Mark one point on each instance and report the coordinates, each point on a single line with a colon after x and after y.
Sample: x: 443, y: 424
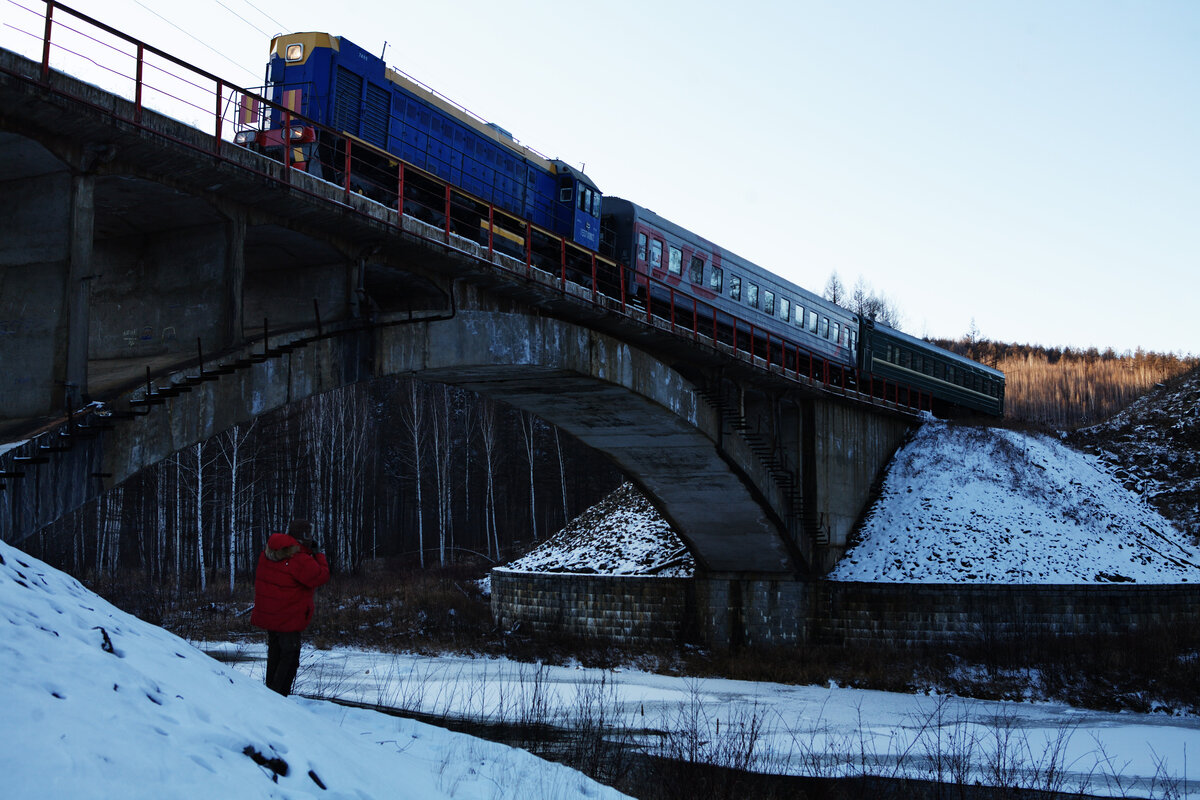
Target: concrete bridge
x: 159, y: 284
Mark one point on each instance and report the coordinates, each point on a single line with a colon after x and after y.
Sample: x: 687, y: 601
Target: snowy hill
x: 1153, y: 447
x: 621, y: 535
x: 985, y: 505
x: 959, y: 504
x: 98, y: 703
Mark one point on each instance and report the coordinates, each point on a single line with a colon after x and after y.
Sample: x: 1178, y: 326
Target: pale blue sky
x: 1029, y: 165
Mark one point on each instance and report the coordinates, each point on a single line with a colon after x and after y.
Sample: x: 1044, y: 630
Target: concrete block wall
x: 731, y: 612
x: 620, y: 609
x: 917, y: 614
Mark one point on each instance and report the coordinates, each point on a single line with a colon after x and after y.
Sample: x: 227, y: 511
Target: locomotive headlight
x: 243, y: 138
x: 297, y: 133
x: 295, y: 52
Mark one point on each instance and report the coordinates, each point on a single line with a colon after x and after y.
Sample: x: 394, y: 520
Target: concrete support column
x: 35, y: 236
x: 235, y: 276
x: 78, y: 290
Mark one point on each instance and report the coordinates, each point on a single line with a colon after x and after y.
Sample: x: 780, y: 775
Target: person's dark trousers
x: 283, y: 659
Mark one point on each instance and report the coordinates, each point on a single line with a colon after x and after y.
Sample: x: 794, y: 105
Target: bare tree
x: 232, y: 447
x: 487, y: 435
x: 413, y: 415
x: 834, y: 291
x: 529, y: 432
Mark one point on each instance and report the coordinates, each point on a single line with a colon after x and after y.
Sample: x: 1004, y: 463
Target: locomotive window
x: 595, y: 204
x: 656, y: 254
x: 641, y: 249
x: 735, y: 287
x: 812, y: 321
x: 564, y: 194
x: 697, y: 270
x: 714, y: 279
x: 752, y: 295
x: 675, y: 264
x: 585, y: 199
x: 785, y: 311
x: 769, y: 302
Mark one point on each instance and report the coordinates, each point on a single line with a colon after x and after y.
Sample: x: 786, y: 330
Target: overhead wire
x: 197, y: 40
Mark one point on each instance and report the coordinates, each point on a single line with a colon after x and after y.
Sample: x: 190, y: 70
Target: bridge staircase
x: 770, y: 455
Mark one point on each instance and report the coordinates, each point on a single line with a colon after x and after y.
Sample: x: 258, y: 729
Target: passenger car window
x: 656, y: 254
x: 812, y: 321
x: 800, y: 316
x: 675, y: 260
x: 641, y: 250
x: 837, y: 333
x: 769, y: 302
x: 785, y: 309
x: 714, y: 279
x: 697, y: 270
x: 735, y: 287
x: 824, y: 327
x: 752, y: 294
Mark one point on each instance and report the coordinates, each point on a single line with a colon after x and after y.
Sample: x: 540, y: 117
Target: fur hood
x: 281, y: 547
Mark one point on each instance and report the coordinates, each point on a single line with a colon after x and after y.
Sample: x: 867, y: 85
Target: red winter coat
x: 284, y: 581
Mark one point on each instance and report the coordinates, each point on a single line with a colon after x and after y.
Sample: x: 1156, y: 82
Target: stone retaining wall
x: 725, y: 612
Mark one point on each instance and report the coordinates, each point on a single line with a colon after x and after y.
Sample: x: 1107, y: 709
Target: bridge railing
x: 149, y: 78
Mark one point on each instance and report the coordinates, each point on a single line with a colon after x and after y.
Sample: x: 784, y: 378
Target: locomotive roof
x: 499, y: 135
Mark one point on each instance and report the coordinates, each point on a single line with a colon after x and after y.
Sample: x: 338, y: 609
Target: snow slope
x: 621, y: 535
x: 97, y: 703
x: 985, y: 505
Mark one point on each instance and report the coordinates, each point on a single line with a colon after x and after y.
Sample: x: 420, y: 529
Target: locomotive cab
x: 579, y: 202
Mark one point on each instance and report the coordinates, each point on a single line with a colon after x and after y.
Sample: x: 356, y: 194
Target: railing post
x: 752, y: 343
x: 220, y: 112
x: 594, y: 286
x: 491, y: 228
x: 562, y: 263
x: 287, y: 146
x: 137, y: 85
x: 446, y: 210
x: 399, y: 193
x: 621, y: 272
x: 46, y: 40
x: 671, y: 294
x: 695, y: 320
x: 528, y: 248
x: 346, y: 171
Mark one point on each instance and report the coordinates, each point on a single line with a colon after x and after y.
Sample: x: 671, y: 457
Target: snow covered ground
x: 621, y: 535
x: 96, y: 703
x: 985, y: 505
x: 804, y: 730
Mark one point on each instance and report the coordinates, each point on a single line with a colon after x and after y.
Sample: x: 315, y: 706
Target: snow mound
x: 98, y: 703
x: 1153, y: 448
x: 621, y: 535
x: 983, y: 505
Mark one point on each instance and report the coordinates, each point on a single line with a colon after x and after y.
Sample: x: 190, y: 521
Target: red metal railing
x: 543, y: 255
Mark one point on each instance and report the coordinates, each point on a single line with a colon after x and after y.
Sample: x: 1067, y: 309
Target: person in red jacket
x: 288, y: 571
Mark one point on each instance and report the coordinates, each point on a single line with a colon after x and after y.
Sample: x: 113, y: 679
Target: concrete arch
x: 618, y: 399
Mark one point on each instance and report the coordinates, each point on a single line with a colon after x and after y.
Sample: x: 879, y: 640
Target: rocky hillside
x: 1153, y: 447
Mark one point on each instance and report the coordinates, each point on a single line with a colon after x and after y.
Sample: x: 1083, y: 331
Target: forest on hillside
x: 396, y: 469
x: 1065, y: 388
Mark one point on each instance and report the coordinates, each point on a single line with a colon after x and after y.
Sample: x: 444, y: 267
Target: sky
x: 1025, y: 167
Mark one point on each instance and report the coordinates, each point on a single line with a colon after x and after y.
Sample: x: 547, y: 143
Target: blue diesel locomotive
x: 354, y: 98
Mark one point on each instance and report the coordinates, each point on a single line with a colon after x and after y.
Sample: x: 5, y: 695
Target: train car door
x: 580, y: 201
